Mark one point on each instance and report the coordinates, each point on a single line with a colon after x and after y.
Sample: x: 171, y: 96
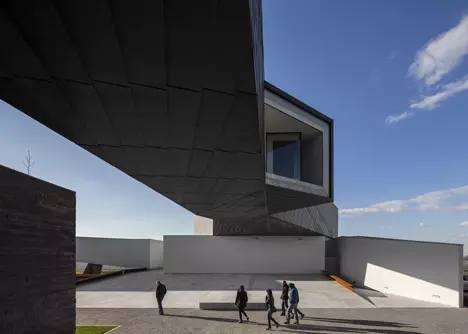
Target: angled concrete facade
x: 173, y: 94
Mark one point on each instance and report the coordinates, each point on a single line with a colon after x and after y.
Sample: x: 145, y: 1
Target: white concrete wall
x: 156, y: 253
x: 239, y: 254
x: 202, y: 225
x: 419, y: 270
x: 129, y: 253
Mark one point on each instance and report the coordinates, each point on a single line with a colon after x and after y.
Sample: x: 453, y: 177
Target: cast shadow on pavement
x: 311, y: 329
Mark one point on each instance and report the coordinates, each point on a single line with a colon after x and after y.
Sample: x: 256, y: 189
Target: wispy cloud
x: 432, y: 101
x: 422, y: 224
x: 441, y: 55
x: 397, y: 118
x: 393, y: 55
x: 432, y: 201
x: 464, y: 223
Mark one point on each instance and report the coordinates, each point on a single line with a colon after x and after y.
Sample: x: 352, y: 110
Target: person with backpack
x: 270, y: 304
x: 161, y: 291
x: 241, y: 302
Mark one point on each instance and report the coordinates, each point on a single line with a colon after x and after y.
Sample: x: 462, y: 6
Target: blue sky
x: 393, y: 75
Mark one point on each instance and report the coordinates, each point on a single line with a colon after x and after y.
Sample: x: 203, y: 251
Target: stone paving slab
x: 393, y: 321
x: 137, y: 290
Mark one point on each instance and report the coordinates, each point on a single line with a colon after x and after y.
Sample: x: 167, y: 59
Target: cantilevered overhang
x: 169, y: 92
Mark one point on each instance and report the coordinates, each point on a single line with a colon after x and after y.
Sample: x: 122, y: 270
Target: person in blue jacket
x: 293, y: 301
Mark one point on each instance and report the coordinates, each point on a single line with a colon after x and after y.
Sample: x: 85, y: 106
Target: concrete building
x: 173, y: 94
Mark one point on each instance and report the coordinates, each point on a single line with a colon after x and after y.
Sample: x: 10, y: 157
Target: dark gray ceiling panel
x: 119, y: 105
x: 214, y: 111
x: 322, y: 219
x: 143, y: 46
x: 18, y: 58
x: 150, y: 106
x: 43, y: 30
x: 85, y: 101
x: 90, y: 26
x: 183, y: 109
x: 283, y: 199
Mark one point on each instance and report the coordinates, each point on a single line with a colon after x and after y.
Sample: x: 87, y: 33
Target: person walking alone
x: 270, y: 303
x: 161, y: 291
x: 293, y: 301
x: 284, y: 298
x: 241, y: 302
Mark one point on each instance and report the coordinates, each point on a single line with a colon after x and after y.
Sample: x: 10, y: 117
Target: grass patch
x: 93, y: 329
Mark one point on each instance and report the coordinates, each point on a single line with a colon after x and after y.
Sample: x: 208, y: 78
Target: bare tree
x: 28, y: 162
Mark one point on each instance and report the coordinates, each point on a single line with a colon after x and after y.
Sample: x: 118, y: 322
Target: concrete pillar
x: 203, y: 226
x: 37, y: 256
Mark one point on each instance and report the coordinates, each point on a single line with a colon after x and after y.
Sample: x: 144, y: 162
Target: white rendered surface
x: 244, y: 255
x: 424, y: 271
x: 128, y: 253
x: 203, y: 225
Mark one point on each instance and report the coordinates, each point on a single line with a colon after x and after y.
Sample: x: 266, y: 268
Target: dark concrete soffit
x: 298, y: 103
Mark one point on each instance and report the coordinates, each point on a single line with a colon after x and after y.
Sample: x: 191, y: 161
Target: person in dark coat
x: 241, y: 302
x: 284, y: 298
x: 160, y: 293
x: 270, y: 304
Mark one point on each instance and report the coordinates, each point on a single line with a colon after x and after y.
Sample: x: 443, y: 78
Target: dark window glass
x: 285, y: 153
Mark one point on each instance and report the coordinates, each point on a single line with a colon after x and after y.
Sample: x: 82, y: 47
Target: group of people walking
x: 289, y: 302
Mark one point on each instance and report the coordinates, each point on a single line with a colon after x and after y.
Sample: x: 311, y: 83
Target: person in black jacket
x: 241, y: 302
x: 270, y: 304
x: 284, y: 298
x: 160, y: 293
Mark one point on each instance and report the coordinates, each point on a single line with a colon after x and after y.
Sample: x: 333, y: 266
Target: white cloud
x: 397, y: 118
x: 432, y: 101
x: 441, y: 55
x: 432, y: 63
x: 422, y: 225
x: 431, y: 201
x: 464, y: 223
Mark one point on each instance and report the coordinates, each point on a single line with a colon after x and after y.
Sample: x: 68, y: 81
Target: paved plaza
x: 393, y: 321
x: 137, y: 290
x: 129, y: 301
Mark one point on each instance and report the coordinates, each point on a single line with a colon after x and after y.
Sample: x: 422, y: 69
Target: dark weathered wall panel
x: 37, y: 256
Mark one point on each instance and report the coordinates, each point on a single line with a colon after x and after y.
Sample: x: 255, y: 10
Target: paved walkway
x: 393, y: 321
x: 137, y: 290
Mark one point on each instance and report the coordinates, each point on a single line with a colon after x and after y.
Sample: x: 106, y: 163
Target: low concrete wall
x: 127, y: 253
x: 239, y: 254
x: 419, y: 270
x: 37, y: 256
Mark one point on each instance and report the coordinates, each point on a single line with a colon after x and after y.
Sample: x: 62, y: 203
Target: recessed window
x: 283, y: 155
